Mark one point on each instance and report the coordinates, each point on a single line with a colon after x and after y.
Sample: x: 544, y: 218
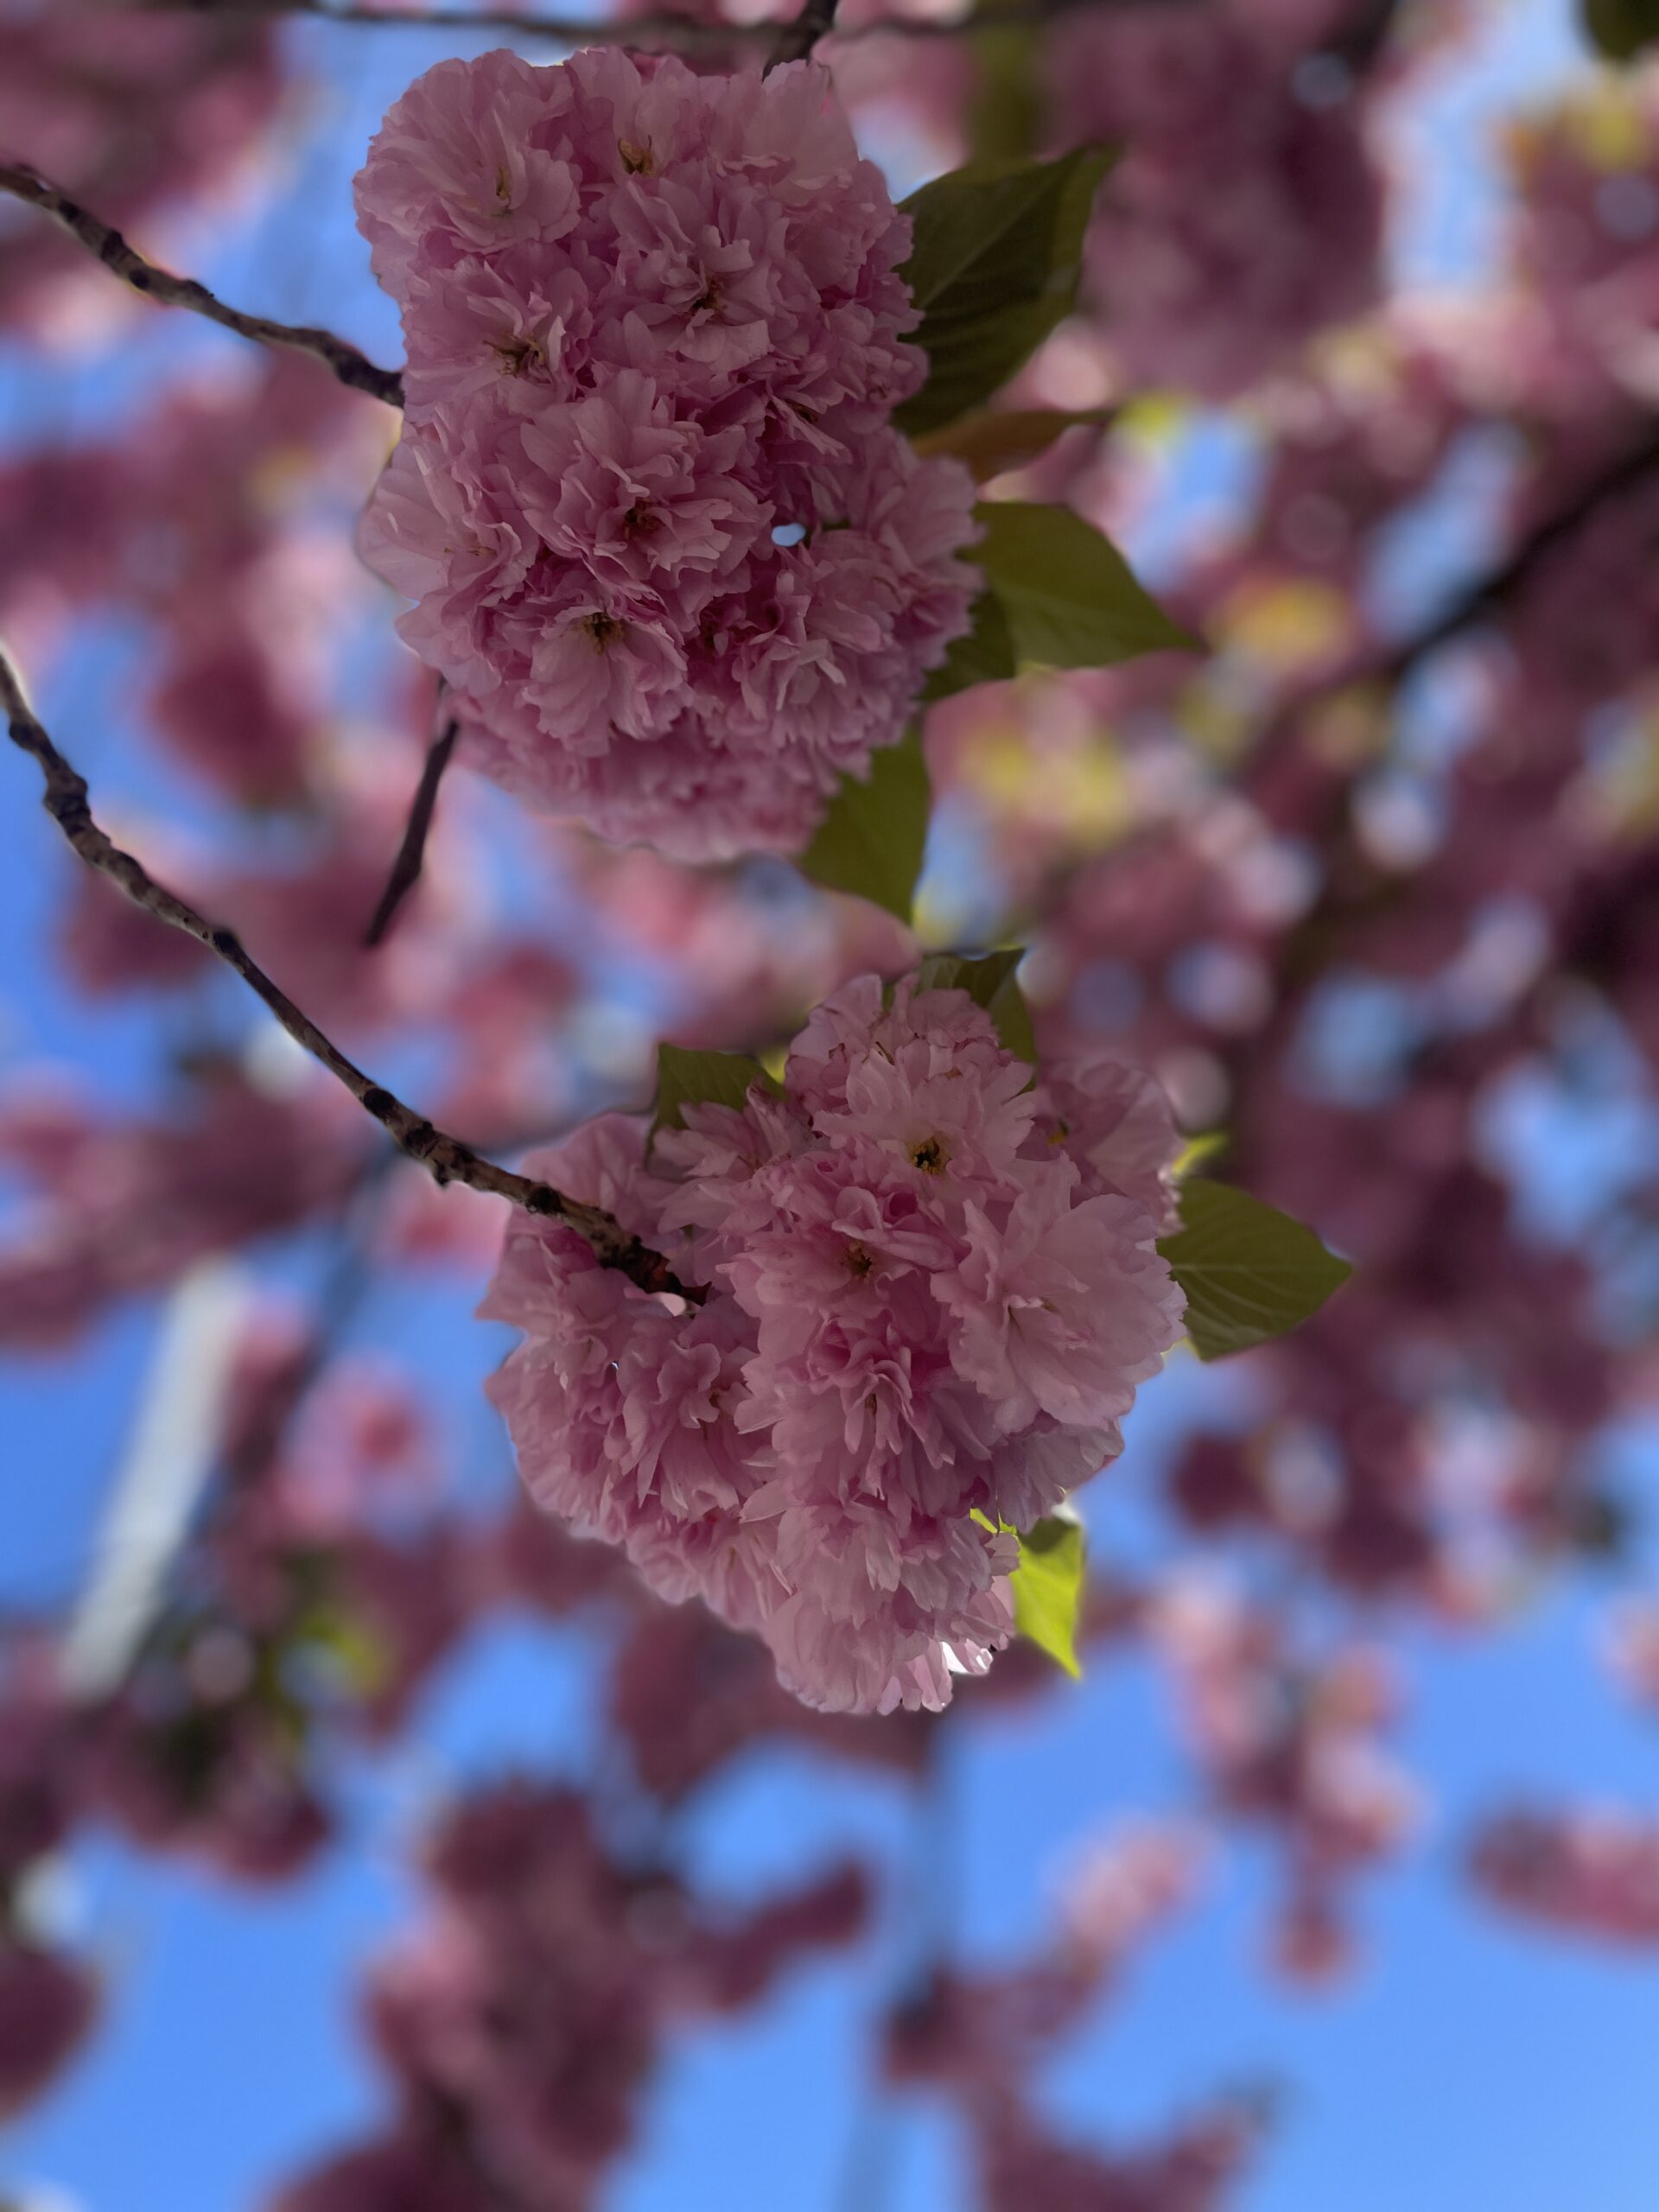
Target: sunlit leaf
x: 1048, y: 1589
x: 994, y: 439
x: 997, y: 252
x: 872, y: 839
x: 1070, y: 597
x: 1198, y: 1151
x: 1249, y: 1272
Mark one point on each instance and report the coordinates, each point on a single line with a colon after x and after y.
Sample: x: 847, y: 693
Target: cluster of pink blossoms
x: 677, y: 567
x: 522, y: 2021
x: 932, y: 1289
x: 1584, y: 1872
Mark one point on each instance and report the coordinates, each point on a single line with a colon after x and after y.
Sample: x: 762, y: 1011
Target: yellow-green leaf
x: 1070, y: 597
x: 995, y: 439
x: 871, y: 840
x: 1198, y: 1151
x: 1048, y: 1589
x: 688, y: 1078
x: 994, y: 265
x: 1249, y: 1272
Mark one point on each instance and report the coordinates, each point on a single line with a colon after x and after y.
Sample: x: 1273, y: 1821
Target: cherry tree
x: 744, y: 812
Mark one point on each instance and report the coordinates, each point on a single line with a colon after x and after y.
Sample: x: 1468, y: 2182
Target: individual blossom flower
x: 135, y: 114
x: 1025, y: 1322
x: 676, y: 567
x: 465, y: 172
x: 919, y: 1326
x: 1115, y: 1122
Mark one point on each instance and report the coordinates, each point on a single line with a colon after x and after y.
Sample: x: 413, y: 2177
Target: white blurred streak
x: 42, y: 2197
x: 174, y: 1440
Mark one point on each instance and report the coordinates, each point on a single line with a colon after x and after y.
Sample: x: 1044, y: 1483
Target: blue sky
x: 1465, y: 2065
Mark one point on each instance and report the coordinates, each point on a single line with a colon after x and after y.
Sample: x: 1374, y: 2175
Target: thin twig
x: 166, y: 290
x: 1621, y: 474
x: 406, y: 868
x: 444, y: 1157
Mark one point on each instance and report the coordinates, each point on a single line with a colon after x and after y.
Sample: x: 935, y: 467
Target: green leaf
x: 690, y: 1078
x: 984, y: 655
x: 992, y: 439
x: 1618, y: 30
x: 994, y: 267
x: 871, y: 841
x: 1048, y: 1589
x: 1198, y: 1151
x: 1249, y: 1272
x: 992, y: 982
x: 1067, y: 592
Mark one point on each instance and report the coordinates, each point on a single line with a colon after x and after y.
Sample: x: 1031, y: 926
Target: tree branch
x: 1493, y: 590
x: 1354, y: 882
x: 352, y: 367
x: 445, y: 1158
x: 406, y: 868
x: 1486, y: 594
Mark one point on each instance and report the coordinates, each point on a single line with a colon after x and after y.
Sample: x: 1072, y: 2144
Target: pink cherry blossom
x: 1115, y: 1122
x: 121, y: 1207
x: 920, y: 1331
x: 464, y: 171
x: 678, y: 569
x: 522, y: 2021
